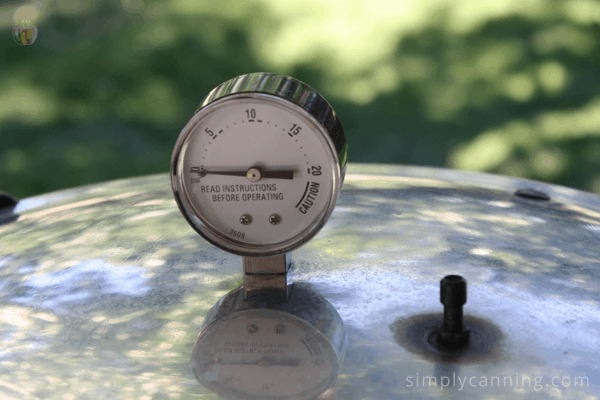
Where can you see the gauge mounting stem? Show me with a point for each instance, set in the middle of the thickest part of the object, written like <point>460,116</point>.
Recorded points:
<point>263,273</point>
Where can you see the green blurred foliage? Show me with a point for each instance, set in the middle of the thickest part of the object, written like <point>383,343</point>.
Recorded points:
<point>504,87</point>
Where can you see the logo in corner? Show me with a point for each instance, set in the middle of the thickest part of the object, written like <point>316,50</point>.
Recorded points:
<point>25,32</point>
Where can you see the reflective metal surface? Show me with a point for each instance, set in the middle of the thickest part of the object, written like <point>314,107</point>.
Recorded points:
<point>104,288</point>
<point>259,347</point>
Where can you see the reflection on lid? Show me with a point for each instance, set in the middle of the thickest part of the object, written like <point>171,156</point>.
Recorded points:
<point>88,279</point>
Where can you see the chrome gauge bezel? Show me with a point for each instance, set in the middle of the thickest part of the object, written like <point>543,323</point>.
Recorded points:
<point>284,92</point>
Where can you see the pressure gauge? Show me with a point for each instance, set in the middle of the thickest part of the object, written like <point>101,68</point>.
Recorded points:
<point>258,169</point>
<point>290,350</point>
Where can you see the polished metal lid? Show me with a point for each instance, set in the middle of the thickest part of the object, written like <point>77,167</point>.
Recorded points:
<point>104,288</point>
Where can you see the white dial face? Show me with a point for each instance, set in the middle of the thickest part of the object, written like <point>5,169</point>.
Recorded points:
<point>264,353</point>
<point>258,170</point>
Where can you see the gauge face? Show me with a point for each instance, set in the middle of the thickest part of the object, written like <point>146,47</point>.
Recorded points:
<point>257,175</point>
<point>264,354</point>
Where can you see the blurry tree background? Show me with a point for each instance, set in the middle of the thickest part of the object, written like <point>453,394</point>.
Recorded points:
<point>502,86</point>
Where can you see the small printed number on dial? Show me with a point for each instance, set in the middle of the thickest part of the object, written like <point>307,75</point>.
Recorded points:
<point>237,234</point>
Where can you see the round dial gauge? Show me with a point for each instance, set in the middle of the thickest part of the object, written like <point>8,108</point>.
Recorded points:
<point>264,354</point>
<point>258,168</point>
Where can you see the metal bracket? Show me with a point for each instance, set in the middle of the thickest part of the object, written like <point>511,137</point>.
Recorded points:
<point>272,274</point>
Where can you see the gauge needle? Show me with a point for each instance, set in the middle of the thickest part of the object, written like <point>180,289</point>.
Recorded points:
<point>280,174</point>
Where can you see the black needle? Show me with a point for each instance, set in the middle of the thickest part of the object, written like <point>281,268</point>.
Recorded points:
<point>278,174</point>
<point>204,172</point>
<point>281,174</point>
